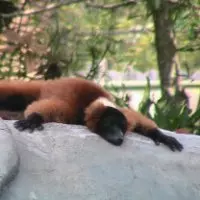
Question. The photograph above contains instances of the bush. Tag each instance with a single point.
(171, 114)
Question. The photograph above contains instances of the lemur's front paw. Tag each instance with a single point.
(172, 143)
(33, 121)
(169, 141)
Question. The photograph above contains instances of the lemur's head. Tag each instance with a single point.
(112, 126)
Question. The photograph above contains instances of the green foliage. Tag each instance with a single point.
(170, 114)
(186, 25)
(79, 36)
(102, 33)
(63, 44)
(146, 102)
(121, 98)
(6, 69)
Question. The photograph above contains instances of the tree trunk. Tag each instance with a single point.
(165, 45)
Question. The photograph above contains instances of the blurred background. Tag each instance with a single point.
(146, 52)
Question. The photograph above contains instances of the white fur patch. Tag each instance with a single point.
(106, 102)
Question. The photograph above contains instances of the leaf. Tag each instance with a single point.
(195, 116)
(146, 102)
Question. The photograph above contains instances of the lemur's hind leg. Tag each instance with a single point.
(42, 111)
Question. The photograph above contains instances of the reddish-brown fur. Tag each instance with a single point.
(62, 100)
(137, 120)
(92, 114)
(28, 89)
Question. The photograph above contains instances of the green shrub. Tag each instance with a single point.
(171, 114)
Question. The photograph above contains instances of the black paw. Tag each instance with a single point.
(33, 121)
(169, 141)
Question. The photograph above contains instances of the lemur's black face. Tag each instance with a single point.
(112, 126)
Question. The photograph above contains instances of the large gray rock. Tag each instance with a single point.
(9, 159)
(69, 163)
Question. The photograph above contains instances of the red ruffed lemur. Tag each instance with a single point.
(77, 101)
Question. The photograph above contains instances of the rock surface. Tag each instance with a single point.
(9, 159)
(69, 163)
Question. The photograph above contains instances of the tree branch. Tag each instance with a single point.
(186, 4)
(45, 9)
(117, 32)
(112, 6)
(94, 69)
(189, 48)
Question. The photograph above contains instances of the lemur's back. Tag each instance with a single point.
(76, 91)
